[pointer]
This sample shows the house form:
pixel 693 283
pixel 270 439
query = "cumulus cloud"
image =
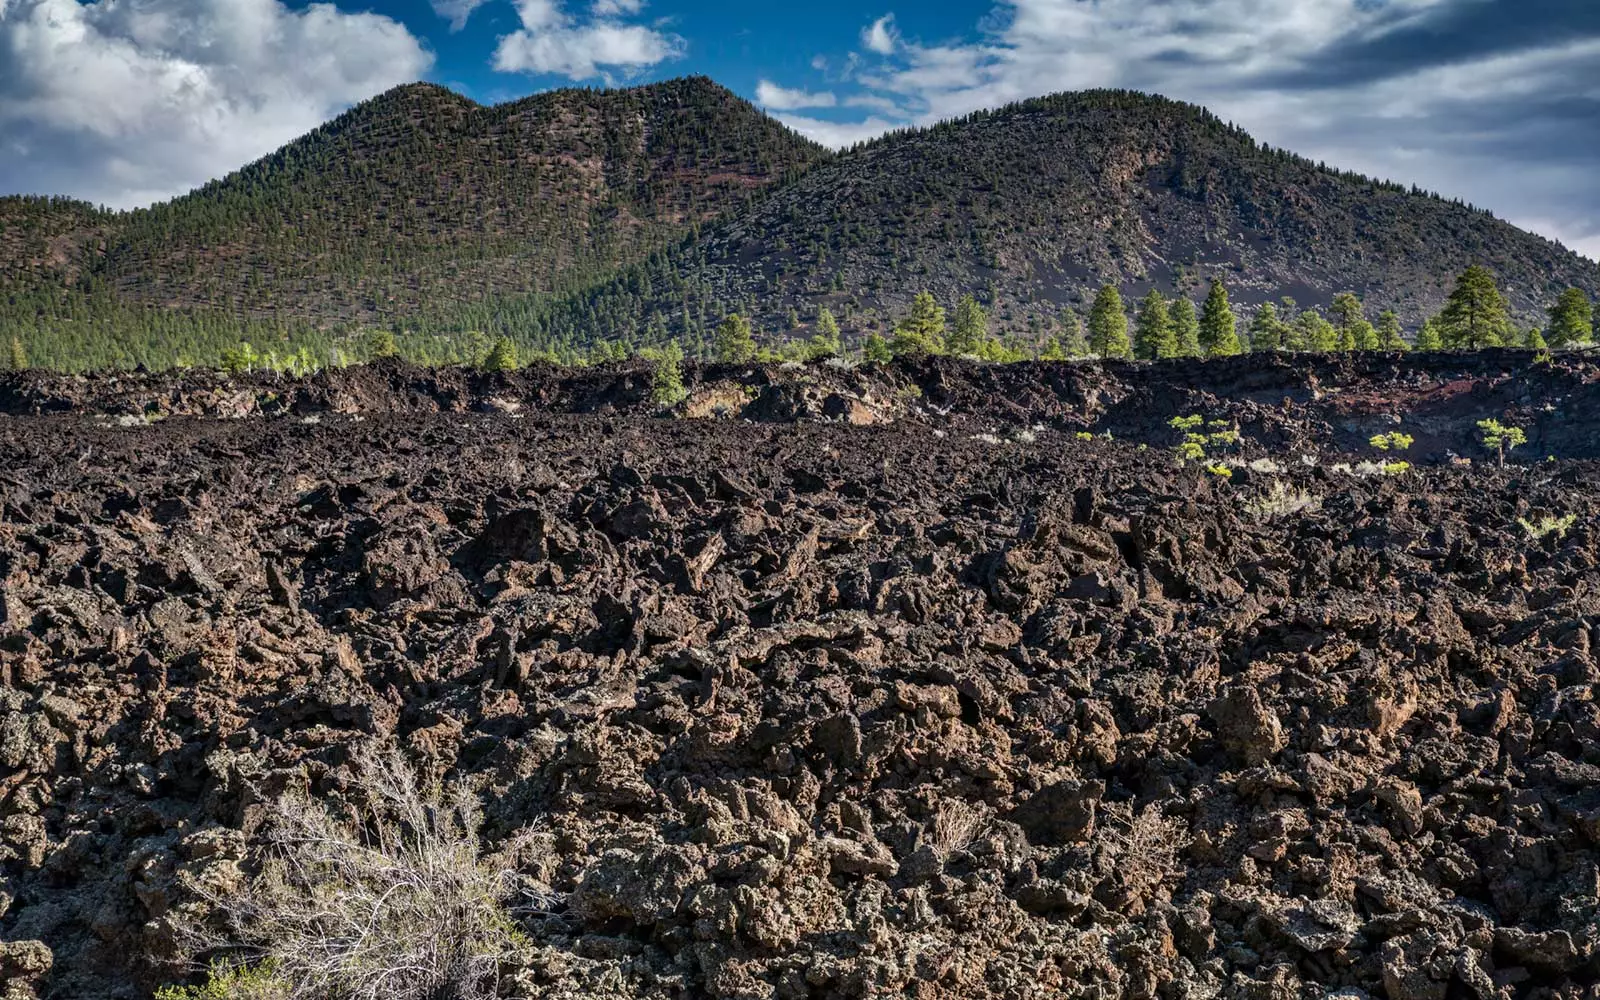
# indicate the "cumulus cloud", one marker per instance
pixel 127 103
pixel 770 95
pixel 838 135
pixel 553 41
pixel 879 36
pixel 1495 103
pixel 456 11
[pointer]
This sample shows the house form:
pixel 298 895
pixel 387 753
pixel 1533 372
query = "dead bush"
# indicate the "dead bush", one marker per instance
pixel 392 900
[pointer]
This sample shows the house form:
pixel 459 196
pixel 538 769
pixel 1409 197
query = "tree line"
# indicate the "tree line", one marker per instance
pixel 1476 315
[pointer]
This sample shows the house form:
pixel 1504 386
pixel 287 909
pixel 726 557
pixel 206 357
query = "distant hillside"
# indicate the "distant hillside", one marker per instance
pixel 636 215
pixel 1033 206
pixel 421 193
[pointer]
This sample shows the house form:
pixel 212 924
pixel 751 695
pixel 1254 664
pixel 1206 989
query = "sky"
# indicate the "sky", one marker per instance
pixel 1497 102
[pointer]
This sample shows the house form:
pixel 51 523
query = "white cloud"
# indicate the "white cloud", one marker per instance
pixel 456 11
pixel 879 36
pixel 770 95
pixel 1327 78
pixel 838 135
pixel 126 103
pixel 552 41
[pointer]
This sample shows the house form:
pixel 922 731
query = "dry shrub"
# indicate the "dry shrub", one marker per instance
pixel 1140 848
pixel 396 902
pixel 955 827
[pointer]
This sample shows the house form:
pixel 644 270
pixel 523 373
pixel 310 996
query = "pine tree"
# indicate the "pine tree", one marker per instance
pixel 666 380
pixel 1390 337
pixel 826 341
pixel 970 332
pixel 1316 333
pixel 1071 340
pixel 1267 332
pixel 1154 338
pixel 1186 327
pixel 1345 312
pixel 1364 336
pixel 1571 319
pixel 19 357
pixel 502 357
pixel 1476 314
pixel 876 350
pixel 1219 333
pixel 735 344
pixel 380 344
pixel 922 331
pixel 1108 325
pixel 1428 338
pixel 1534 340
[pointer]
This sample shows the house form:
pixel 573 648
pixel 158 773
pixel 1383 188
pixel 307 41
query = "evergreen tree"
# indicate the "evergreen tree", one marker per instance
pixel 666 379
pixel 1108 325
pixel 1345 312
pixel 1534 341
pixel 1154 338
pixel 380 344
pixel 1219 333
pixel 1186 327
pixel 735 344
pixel 1428 338
pixel 970 332
pixel 1316 333
pixel 1267 331
pixel 922 331
pixel 1476 314
pixel 1571 319
pixel 826 341
pixel 1364 336
pixel 19 357
pixel 1390 337
pixel 1072 340
pixel 502 357
pixel 876 350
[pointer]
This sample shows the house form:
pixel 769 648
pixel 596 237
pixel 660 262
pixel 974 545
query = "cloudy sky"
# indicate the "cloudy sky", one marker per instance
pixel 1495 101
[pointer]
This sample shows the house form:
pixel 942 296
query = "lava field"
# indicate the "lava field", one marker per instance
pixel 937 681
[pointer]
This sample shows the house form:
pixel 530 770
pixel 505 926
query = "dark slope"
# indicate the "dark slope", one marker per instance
pixel 1034 205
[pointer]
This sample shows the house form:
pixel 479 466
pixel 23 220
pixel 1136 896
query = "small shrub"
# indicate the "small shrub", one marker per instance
pixel 1282 501
pixel 1499 438
pixel 238 982
pixel 1084 436
pixel 395 903
pixel 1140 849
pixel 1539 530
pixel 1220 470
pixel 956 825
pixel 1393 441
pixel 1396 468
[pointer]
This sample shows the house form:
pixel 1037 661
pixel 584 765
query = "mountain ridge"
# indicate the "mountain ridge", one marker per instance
pixel 635 215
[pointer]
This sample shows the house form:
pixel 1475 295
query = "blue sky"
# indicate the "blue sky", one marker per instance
pixel 124 102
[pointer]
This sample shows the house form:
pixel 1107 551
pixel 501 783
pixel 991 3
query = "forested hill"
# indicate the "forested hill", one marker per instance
pixel 638 215
pixel 420 193
pixel 1034 206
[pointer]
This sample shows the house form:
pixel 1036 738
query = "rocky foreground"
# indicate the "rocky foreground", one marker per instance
pixel 937 681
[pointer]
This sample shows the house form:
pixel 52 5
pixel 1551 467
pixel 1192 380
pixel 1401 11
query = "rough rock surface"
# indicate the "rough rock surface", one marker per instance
pixel 948 706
